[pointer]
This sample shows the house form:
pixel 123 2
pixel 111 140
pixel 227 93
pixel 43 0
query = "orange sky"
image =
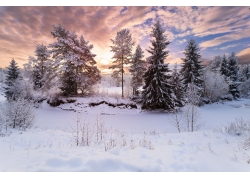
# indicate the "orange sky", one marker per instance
pixel 217 30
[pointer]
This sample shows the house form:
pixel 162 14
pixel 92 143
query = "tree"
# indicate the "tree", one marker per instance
pixel 216 64
pixel 11 81
pixel 74 60
pixel 178 90
pixel 215 85
pixel 157 91
pixel 41 67
pixel 17 113
pixel 224 67
pixel 191 68
pixel 122 47
pixel 137 69
pixel 233 75
pixel 191 111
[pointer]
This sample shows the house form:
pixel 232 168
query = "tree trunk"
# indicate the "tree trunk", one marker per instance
pixel 122 77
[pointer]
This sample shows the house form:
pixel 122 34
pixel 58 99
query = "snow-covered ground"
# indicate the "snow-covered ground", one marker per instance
pixel 133 140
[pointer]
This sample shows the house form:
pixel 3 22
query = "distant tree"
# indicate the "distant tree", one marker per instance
pixel 191 69
pixel 74 61
pixel 224 67
pixel 233 75
pixel 178 87
pixel 122 47
pixel 137 69
pixel 117 76
pixel 157 91
pixel 216 64
pixel 215 85
pixel 12 80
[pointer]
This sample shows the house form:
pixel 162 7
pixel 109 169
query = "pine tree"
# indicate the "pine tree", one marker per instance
pixel 123 51
pixel 191 68
pixel 216 64
pixel 178 90
pixel 157 91
pixel 11 81
pixel 43 55
pixel 74 61
pixel 233 75
pixel 224 67
pixel 137 69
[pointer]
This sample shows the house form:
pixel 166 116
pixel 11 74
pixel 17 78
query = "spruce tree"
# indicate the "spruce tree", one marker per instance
pixel 224 67
pixel 191 68
pixel 137 69
pixel 178 90
pixel 157 91
pixel 233 75
pixel 40 68
pixel 122 48
pixel 11 81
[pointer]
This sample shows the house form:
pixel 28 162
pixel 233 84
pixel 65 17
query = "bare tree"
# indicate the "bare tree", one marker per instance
pixel 176 120
pixel 191 112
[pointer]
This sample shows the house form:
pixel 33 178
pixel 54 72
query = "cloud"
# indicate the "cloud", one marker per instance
pixel 244 56
pixel 226 38
pixel 229 46
pixel 181 41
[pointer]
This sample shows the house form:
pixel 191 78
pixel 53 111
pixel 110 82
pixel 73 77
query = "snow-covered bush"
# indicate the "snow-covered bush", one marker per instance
pixel 191 112
pixel 18 113
pixel 215 85
pixel 238 127
pixel 244 88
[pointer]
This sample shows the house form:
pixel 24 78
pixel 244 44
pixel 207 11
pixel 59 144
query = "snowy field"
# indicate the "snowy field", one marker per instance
pixel 132 140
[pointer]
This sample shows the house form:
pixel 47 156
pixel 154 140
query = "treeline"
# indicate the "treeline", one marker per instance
pixel 67 67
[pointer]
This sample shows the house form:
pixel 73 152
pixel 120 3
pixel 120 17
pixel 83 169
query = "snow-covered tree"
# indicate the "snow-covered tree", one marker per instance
pixel 191 111
pixel 215 64
pixel 2 75
pixel 11 81
pixel 122 47
pixel 233 75
pixel 215 85
pixel 40 68
pixel 137 69
pixel 74 61
pixel 178 87
pixel 244 72
pixel 18 113
pixel 157 91
pixel 191 68
pixel 224 67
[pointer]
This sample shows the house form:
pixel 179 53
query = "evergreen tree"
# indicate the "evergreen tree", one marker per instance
pixel 40 69
pixel 191 68
pixel 245 72
pixel 137 69
pixel 178 90
pixel 224 67
pixel 11 81
pixel 123 51
pixel 157 91
pixel 74 60
pixel 215 64
pixel 233 75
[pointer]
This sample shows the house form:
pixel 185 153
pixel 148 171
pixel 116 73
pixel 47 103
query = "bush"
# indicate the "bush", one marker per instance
pixel 238 127
pixel 18 113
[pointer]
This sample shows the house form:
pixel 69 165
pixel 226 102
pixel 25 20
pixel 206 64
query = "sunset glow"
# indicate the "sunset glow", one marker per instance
pixel 217 30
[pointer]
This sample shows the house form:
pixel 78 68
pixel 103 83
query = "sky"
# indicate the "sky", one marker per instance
pixel 217 30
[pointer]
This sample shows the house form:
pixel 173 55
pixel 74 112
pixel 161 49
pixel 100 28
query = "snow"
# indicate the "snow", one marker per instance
pixel 152 144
